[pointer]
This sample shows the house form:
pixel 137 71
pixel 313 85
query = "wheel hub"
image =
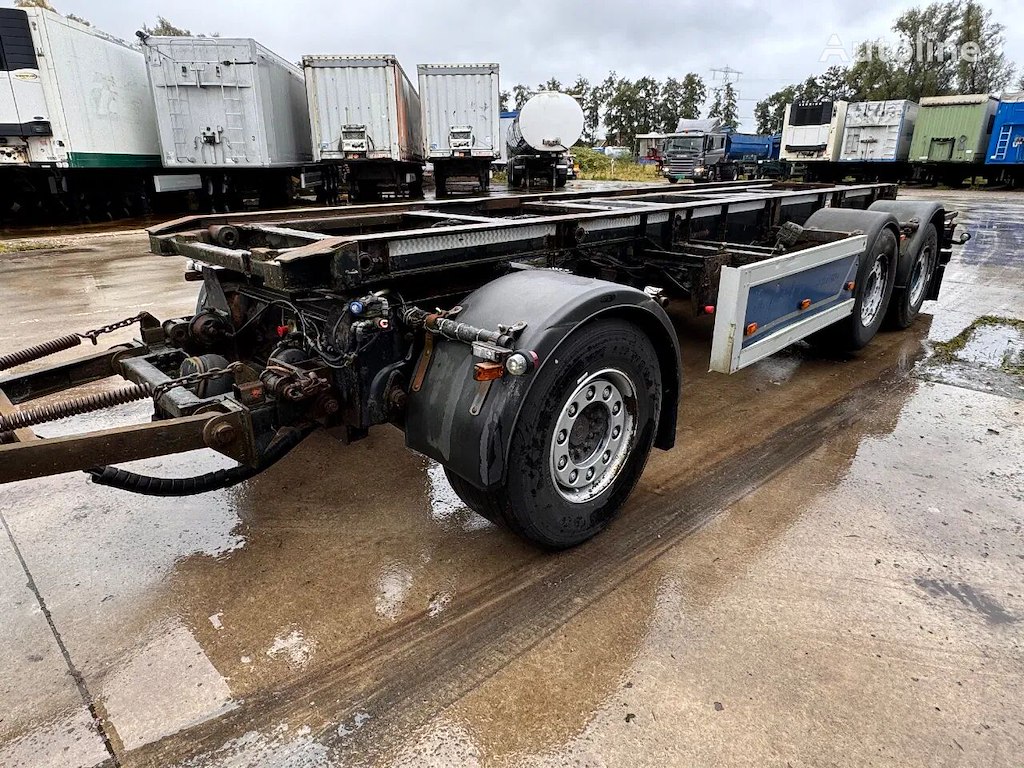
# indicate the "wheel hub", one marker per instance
pixel 874 291
pixel 920 276
pixel 593 435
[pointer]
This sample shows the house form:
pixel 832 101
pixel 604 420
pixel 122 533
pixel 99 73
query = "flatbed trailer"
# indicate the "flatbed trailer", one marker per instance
pixel 519 341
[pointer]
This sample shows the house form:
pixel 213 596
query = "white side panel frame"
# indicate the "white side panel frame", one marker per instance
pixel 728 354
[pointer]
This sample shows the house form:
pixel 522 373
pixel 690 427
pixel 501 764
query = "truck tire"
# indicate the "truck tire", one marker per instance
pixel 672 179
pixel 440 184
pixel 416 188
pixel 876 277
pixel 905 304
pixel 583 437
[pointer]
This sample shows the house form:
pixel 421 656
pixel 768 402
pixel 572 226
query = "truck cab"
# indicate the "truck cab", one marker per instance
pixel 698 150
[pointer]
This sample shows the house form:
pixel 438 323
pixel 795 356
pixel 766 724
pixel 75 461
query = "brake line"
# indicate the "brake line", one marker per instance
pixel 147 485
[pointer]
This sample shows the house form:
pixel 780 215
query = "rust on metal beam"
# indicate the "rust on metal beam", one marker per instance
pixel 54 455
pixel 6 409
pixel 60 376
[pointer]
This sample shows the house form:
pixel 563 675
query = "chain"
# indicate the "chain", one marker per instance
pixel 195 378
pixel 94 334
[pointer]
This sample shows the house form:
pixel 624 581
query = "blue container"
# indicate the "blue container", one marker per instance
pixel 1006 146
pixel 750 146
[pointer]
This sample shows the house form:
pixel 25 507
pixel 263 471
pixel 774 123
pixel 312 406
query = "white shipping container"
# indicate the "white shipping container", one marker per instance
pixel 227 103
pixel 813 131
pixel 878 131
pixel 460 109
pixel 362 107
pixel 72 96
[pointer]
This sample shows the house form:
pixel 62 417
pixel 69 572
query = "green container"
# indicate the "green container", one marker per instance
pixel 953 129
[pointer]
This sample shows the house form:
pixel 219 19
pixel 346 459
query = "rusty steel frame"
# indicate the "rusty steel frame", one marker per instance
pixel 288 253
pixel 225 427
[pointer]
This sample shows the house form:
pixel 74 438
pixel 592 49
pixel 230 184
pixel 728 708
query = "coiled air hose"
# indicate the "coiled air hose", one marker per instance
pixel 148 485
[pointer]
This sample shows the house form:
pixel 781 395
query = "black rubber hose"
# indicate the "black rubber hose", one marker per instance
pixel 148 485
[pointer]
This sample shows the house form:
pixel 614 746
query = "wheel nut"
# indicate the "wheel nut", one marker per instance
pixel 224 434
pixel 562 462
pixel 607 457
pixel 572 410
pixel 616 408
pixel 573 475
pixel 590 474
pixel 561 436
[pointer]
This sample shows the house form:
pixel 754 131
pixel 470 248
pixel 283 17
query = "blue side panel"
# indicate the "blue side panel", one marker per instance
pixel 1006 147
pixel 749 145
pixel 777 303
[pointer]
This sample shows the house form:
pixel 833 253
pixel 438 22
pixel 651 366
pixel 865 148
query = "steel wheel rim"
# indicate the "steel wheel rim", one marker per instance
pixel 920 276
pixel 593 435
pixel 874 290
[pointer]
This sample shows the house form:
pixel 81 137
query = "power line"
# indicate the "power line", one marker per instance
pixel 726 72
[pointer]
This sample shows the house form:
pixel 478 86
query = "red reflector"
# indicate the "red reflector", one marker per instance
pixel 751 329
pixel 805 304
pixel 709 309
pixel 488 371
pixel 851 285
pixel 282 331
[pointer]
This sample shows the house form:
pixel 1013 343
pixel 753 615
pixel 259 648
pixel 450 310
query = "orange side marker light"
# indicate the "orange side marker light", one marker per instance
pixel 488 371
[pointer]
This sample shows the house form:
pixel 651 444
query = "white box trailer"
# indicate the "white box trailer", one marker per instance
pixel 227 103
pixel 366 123
pixel 813 131
pixel 460 121
pixel 878 131
pixel 72 96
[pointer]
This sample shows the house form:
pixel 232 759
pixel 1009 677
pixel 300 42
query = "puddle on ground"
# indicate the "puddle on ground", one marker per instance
pixel 987 355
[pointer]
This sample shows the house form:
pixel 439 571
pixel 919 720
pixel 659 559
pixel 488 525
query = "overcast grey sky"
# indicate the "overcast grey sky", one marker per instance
pixel 771 43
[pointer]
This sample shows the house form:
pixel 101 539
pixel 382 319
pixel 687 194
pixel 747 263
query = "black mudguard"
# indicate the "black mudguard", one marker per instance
pixel 552 304
pixel 924 212
pixel 852 220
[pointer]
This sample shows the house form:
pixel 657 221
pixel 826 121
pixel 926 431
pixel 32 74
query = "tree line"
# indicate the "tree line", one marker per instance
pixel 626 108
pixel 941 49
pixel 914 66
pixel 945 47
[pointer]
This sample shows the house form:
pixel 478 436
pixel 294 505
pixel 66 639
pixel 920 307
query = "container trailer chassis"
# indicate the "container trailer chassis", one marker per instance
pixel 519 341
pixel 538 169
pixel 470 169
pixel 367 181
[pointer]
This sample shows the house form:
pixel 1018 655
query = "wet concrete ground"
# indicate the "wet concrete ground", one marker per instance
pixel 828 569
